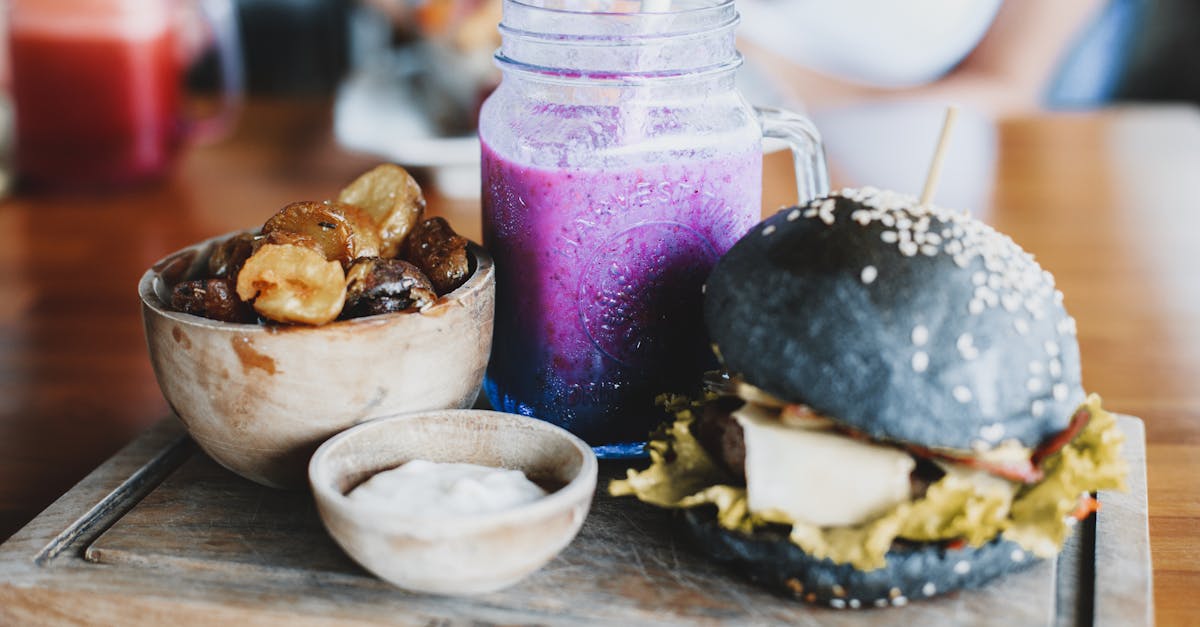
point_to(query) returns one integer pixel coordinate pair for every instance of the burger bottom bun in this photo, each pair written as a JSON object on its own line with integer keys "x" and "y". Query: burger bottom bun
{"x": 770, "y": 559}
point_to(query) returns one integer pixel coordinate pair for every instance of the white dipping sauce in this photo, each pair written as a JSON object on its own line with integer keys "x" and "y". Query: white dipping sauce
{"x": 433, "y": 489}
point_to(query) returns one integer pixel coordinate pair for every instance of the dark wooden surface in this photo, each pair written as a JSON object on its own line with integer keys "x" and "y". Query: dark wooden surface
{"x": 1109, "y": 202}
{"x": 185, "y": 537}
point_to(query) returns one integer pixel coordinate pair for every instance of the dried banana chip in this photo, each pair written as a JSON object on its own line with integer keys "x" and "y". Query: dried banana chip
{"x": 295, "y": 284}
{"x": 393, "y": 198}
{"x": 342, "y": 232}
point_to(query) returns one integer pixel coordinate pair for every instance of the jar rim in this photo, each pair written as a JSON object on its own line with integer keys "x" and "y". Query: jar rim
{"x": 574, "y": 77}
{"x": 716, "y": 6}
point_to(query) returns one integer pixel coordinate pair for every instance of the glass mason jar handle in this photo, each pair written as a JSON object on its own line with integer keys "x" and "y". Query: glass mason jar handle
{"x": 808, "y": 155}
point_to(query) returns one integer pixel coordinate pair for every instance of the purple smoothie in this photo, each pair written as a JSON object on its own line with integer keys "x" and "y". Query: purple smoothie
{"x": 599, "y": 275}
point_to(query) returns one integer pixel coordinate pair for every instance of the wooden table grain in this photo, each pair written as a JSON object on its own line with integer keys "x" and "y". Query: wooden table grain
{"x": 1108, "y": 201}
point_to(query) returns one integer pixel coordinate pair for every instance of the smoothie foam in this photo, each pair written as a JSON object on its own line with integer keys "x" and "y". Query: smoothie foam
{"x": 599, "y": 275}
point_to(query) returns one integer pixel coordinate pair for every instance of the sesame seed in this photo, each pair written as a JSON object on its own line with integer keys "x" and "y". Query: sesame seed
{"x": 889, "y": 237}
{"x": 837, "y": 604}
{"x": 810, "y": 213}
{"x": 868, "y": 275}
{"x": 908, "y": 249}
{"x": 963, "y": 567}
{"x": 1055, "y": 368}
{"x": 920, "y": 335}
{"x": 1033, "y": 384}
{"x": 992, "y": 432}
{"x": 900, "y": 601}
{"x": 1061, "y": 391}
{"x": 855, "y": 604}
{"x": 1021, "y": 326}
{"x": 827, "y": 218}
{"x": 1017, "y": 555}
{"x": 894, "y": 592}
{"x": 881, "y": 602}
{"x": 769, "y": 230}
{"x": 1051, "y": 348}
{"x": 1035, "y": 367}
{"x": 793, "y": 215}
{"x": 704, "y": 288}
{"x": 975, "y": 307}
{"x": 962, "y": 394}
{"x": 929, "y": 250}
{"x": 920, "y": 361}
{"x": 838, "y": 591}
{"x": 929, "y": 589}
{"x": 1037, "y": 408}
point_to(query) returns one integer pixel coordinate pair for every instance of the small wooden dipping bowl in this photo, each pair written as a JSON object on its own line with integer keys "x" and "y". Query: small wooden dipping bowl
{"x": 454, "y": 555}
{"x": 259, "y": 399}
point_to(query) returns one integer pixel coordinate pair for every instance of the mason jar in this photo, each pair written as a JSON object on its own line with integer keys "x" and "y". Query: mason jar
{"x": 619, "y": 163}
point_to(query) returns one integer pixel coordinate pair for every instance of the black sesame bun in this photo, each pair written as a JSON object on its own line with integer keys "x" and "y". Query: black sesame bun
{"x": 911, "y": 324}
{"x": 913, "y": 571}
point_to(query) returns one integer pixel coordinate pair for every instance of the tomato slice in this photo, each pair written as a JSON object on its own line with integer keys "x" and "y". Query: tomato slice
{"x": 1087, "y": 505}
{"x": 1056, "y": 443}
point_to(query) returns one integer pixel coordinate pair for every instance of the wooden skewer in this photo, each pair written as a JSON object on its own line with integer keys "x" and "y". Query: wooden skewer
{"x": 935, "y": 168}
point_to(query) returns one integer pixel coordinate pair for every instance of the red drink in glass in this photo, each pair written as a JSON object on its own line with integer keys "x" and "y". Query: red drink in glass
{"x": 96, "y": 90}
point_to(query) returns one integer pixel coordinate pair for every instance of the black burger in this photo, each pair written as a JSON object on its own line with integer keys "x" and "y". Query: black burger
{"x": 901, "y": 412}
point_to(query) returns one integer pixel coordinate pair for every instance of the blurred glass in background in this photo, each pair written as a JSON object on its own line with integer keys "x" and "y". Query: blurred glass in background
{"x": 98, "y": 86}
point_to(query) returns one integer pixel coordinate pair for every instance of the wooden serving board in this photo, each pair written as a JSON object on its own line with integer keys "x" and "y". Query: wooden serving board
{"x": 160, "y": 534}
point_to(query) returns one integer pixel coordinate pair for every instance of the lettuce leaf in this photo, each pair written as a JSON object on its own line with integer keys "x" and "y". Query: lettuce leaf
{"x": 964, "y": 504}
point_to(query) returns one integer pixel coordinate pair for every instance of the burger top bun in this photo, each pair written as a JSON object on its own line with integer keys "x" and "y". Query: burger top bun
{"x": 909, "y": 323}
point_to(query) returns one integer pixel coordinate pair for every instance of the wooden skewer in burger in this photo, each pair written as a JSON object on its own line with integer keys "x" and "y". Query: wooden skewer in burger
{"x": 901, "y": 412}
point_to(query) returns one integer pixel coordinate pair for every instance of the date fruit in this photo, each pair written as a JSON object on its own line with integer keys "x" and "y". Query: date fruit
{"x": 211, "y": 298}
{"x": 440, "y": 253}
{"x": 228, "y": 256}
{"x": 377, "y": 286}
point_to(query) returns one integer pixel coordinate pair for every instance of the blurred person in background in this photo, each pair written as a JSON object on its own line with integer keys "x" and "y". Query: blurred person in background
{"x": 999, "y": 57}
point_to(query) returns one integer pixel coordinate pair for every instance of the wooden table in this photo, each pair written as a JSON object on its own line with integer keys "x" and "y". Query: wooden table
{"x": 1109, "y": 202}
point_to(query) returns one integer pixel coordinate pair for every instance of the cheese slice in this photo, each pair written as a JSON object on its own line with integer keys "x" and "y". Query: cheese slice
{"x": 817, "y": 476}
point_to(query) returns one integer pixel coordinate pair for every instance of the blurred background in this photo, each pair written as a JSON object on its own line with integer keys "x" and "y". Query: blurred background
{"x": 407, "y": 77}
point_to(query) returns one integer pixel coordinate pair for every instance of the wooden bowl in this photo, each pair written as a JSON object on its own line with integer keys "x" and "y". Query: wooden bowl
{"x": 454, "y": 555}
{"x": 259, "y": 399}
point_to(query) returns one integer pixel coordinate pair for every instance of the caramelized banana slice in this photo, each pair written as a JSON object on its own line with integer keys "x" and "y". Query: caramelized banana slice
{"x": 376, "y": 286}
{"x": 440, "y": 253}
{"x": 228, "y": 256}
{"x": 288, "y": 283}
{"x": 288, "y": 237}
{"x": 215, "y": 299}
{"x": 393, "y": 198}
{"x": 342, "y": 232}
